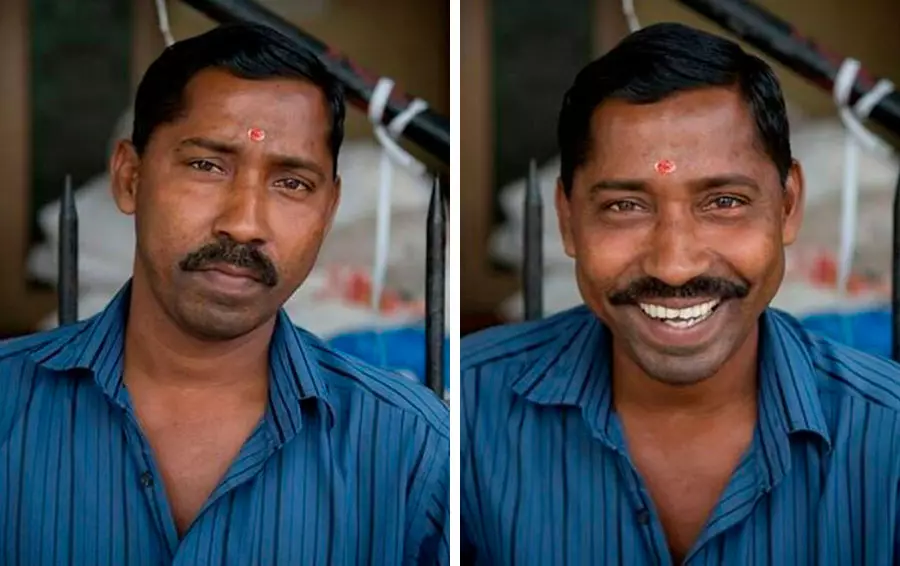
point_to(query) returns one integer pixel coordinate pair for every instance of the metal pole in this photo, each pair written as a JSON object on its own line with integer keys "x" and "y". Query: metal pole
{"x": 429, "y": 130}
{"x": 781, "y": 41}
{"x": 435, "y": 276}
{"x": 67, "y": 275}
{"x": 533, "y": 267}
{"x": 895, "y": 279}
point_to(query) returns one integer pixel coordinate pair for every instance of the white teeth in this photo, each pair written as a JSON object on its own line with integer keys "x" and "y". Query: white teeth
{"x": 680, "y": 318}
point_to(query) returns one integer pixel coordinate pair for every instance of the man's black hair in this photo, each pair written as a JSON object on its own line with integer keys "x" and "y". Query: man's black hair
{"x": 662, "y": 60}
{"x": 246, "y": 51}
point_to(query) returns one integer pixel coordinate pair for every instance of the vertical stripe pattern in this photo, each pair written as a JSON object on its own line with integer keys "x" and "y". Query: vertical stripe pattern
{"x": 546, "y": 477}
{"x": 349, "y": 466}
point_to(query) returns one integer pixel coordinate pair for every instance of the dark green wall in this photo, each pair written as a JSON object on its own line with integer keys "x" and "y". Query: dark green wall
{"x": 538, "y": 47}
{"x": 80, "y": 84}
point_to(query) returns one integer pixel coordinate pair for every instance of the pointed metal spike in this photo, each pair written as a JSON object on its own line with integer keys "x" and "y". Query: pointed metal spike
{"x": 435, "y": 278}
{"x": 895, "y": 279}
{"x": 67, "y": 286}
{"x": 533, "y": 265}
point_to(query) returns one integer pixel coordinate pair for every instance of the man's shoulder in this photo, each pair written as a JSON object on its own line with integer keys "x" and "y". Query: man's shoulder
{"x": 36, "y": 346}
{"x": 345, "y": 375}
{"x": 516, "y": 344}
{"x": 847, "y": 372}
{"x": 20, "y": 360}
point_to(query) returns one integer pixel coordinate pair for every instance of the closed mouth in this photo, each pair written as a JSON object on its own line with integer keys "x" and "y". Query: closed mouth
{"x": 233, "y": 271}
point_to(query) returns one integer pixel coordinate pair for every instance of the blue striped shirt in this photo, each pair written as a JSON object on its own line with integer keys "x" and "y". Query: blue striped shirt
{"x": 349, "y": 466}
{"x": 546, "y": 476}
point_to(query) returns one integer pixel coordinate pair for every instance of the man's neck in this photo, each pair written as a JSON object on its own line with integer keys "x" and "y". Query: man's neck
{"x": 160, "y": 353}
{"x": 733, "y": 385}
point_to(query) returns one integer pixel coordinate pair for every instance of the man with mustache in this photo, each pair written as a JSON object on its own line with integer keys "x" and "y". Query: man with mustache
{"x": 191, "y": 422}
{"x": 676, "y": 418}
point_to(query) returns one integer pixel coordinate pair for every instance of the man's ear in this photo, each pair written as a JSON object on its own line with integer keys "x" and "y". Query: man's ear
{"x": 124, "y": 173}
{"x": 564, "y": 217}
{"x": 793, "y": 204}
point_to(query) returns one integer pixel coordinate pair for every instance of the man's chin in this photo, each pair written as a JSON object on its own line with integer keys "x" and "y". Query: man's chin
{"x": 214, "y": 320}
{"x": 678, "y": 370}
{"x": 682, "y": 362}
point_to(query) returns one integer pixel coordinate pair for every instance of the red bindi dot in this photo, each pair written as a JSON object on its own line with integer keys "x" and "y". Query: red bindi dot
{"x": 664, "y": 167}
{"x": 255, "y": 134}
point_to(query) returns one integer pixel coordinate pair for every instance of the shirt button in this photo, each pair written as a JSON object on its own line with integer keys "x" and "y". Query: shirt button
{"x": 643, "y": 516}
{"x": 146, "y": 479}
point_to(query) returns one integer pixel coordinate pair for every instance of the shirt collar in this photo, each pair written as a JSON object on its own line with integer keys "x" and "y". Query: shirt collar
{"x": 574, "y": 370}
{"x": 96, "y": 346}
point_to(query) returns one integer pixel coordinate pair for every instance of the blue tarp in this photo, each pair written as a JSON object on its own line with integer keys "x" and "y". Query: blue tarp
{"x": 868, "y": 330}
{"x": 401, "y": 349}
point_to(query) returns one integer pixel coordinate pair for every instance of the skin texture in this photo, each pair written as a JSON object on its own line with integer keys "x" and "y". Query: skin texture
{"x": 687, "y": 402}
{"x": 197, "y": 340}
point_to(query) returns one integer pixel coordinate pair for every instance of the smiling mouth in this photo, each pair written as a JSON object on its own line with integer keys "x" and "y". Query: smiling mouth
{"x": 680, "y": 318}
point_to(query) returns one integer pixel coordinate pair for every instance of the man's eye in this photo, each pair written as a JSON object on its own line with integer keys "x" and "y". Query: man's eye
{"x": 292, "y": 184}
{"x": 204, "y": 165}
{"x": 727, "y": 202}
{"x": 623, "y": 206}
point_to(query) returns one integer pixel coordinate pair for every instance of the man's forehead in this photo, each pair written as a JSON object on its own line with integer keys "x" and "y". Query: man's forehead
{"x": 704, "y": 129}
{"x": 703, "y": 113}
{"x": 288, "y": 104}
{"x": 280, "y": 115}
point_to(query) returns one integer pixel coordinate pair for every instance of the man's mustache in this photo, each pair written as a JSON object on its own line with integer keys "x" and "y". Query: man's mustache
{"x": 227, "y": 251}
{"x": 652, "y": 288}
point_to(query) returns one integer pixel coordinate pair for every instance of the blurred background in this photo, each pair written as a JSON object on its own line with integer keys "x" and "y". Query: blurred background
{"x": 69, "y": 73}
{"x": 518, "y": 58}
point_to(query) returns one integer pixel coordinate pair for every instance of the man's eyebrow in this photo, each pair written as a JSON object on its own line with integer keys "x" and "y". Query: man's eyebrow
{"x": 618, "y": 185}
{"x": 702, "y": 184}
{"x": 279, "y": 160}
{"x": 293, "y": 162}
{"x": 212, "y": 145}
{"x": 730, "y": 179}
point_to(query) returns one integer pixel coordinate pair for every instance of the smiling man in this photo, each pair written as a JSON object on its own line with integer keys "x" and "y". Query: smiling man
{"x": 675, "y": 418}
{"x": 191, "y": 422}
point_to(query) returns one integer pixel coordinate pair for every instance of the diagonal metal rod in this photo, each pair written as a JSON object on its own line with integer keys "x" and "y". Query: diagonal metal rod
{"x": 67, "y": 275}
{"x": 435, "y": 276}
{"x": 895, "y": 276}
{"x": 533, "y": 265}
{"x": 429, "y": 130}
{"x": 782, "y": 42}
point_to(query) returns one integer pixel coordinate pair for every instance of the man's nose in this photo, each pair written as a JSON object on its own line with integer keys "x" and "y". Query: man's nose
{"x": 243, "y": 216}
{"x": 675, "y": 254}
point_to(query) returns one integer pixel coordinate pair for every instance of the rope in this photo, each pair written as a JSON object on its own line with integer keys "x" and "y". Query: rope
{"x": 391, "y": 154}
{"x": 162, "y": 16}
{"x": 630, "y": 15}
{"x": 857, "y": 137}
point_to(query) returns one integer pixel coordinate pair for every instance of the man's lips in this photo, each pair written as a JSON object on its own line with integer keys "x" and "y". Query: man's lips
{"x": 678, "y": 303}
{"x": 233, "y": 271}
{"x": 683, "y": 317}
{"x": 683, "y": 329}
